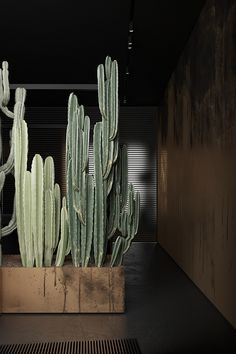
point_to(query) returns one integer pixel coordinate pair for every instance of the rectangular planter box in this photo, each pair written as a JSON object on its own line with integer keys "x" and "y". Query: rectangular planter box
{"x": 64, "y": 289}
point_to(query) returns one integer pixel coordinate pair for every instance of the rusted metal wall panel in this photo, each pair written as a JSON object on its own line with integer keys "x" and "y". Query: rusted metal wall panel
{"x": 197, "y": 158}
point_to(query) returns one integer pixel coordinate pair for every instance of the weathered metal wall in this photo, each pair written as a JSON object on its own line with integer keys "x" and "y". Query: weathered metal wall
{"x": 197, "y": 158}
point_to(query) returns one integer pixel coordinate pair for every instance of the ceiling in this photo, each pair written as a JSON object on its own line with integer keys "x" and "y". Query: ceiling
{"x": 62, "y": 42}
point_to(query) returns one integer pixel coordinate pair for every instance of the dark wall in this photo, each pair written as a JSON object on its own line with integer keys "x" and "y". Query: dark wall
{"x": 197, "y": 158}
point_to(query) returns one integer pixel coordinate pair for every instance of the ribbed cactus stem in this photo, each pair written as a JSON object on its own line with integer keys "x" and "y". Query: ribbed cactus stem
{"x": 101, "y": 90}
{"x": 86, "y": 142}
{"x": 63, "y": 244}
{"x": 117, "y": 252}
{"x": 49, "y": 228}
{"x": 5, "y": 82}
{"x": 124, "y": 176}
{"x": 89, "y": 219}
{"x": 114, "y": 100}
{"x": 6, "y": 230}
{"x": 20, "y": 153}
{"x": 49, "y": 210}
{"x": 7, "y": 167}
{"x": 99, "y": 235}
{"x": 108, "y": 62}
{"x": 37, "y": 180}
{"x": 27, "y": 200}
{"x": 49, "y": 173}
{"x": 73, "y": 221}
{"x": 2, "y": 180}
{"x": 57, "y": 206}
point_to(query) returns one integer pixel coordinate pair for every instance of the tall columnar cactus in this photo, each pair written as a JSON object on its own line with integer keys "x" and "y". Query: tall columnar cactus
{"x": 8, "y": 166}
{"x": 97, "y": 205}
{"x": 37, "y": 200}
{"x": 38, "y": 205}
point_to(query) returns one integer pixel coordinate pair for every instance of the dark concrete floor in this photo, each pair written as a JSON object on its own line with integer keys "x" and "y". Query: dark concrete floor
{"x": 165, "y": 312}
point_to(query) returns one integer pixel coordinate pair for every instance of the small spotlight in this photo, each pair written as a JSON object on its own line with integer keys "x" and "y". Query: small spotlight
{"x": 131, "y": 27}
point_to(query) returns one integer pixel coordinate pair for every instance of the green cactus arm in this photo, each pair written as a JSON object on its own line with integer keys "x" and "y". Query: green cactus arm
{"x": 110, "y": 159}
{"x": 116, "y": 149}
{"x": 4, "y": 170}
{"x": 133, "y": 225}
{"x": 86, "y": 142}
{"x": 111, "y": 210}
{"x": 1, "y": 89}
{"x": 105, "y": 145}
{"x": 7, "y": 230}
{"x": 20, "y": 134}
{"x": 8, "y": 166}
{"x": 115, "y": 217}
{"x": 20, "y": 95}
{"x": 118, "y": 173}
{"x": 114, "y": 100}
{"x": 136, "y": 212}
{"x": 124, "y": 224}
{"x": 49, "y": 220}
{"x": 76, "y": 148}
{"x": 124, "y": 176}
{"x": 19, "y": 111}
{"x": 72, "y": 107}
{"x": 81, "y": 116}
{"x": 73, "y": 221}
{"x": 68, "y": 247}
{"x": 99, "y": 197}
{"x": 84, "y": 225}
{"x": 49, "y": 173}
{"x": 110, "y": 181}
{"x": 130, "y": 202}
{"x": 62, "y": 247}
{"x": 37, "y": 180}
{"x": 101, "y": 90}
{"x": 28, "y": 220}
{"x": 78, "y": 177}
{"x": 79, "y": 199}
{"x": 57, "y": 202}
{"x": 5, "y": 83}
{"x": 4, "y": 109}
{"x": 108, "y": 67}
{"x": 2, "y": 180}
{"x": 117, "y": 252}
{"x": 90, "y": 217}
{"x": 107, "y": 104}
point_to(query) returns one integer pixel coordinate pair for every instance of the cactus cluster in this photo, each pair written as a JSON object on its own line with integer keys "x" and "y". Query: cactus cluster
{"x": 96, "y": 207}
{"x": 38, "y": 199}
{"x": 103, "y": 203}
{"x": 8, "y": 166}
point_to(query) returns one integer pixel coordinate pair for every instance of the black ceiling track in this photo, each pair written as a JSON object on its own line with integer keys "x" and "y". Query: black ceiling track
{"x": 108, "y": 346}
